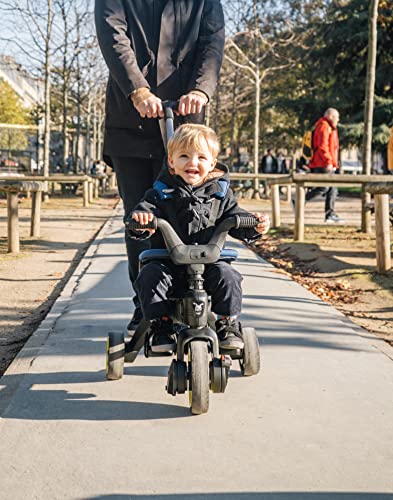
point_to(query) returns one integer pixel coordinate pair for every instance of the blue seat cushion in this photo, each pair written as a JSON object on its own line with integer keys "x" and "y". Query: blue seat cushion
{"x": 154, "y": 254}
{"x": 162, "y": 254}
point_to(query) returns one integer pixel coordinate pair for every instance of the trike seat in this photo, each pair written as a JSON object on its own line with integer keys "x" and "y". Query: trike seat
{"x": 163, "y": 254}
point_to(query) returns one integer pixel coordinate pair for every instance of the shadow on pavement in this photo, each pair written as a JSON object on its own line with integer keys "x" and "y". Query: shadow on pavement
{"x": 64, "y": 405}
{"x": 49, "y": 404}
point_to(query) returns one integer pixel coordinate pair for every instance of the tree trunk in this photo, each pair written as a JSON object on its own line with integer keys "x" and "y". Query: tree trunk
{"x": 256, "y": 128}
{"x": 369, "y": 109}
{"x": 217, "y": 109}
{"x": 88, "y": 151}
{"x": 94, "y": 145}
{"x": 257, "y": 101}
{"x": 47, "y": 72}
{"x": 78, "y": 165}
{"x": 65, "y": 90}
{"x": 233, "y": 117}
{"x": 100, "y": 126}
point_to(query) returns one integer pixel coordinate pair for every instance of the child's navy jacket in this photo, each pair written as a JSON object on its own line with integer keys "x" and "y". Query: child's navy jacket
{"x": 189, "y": 209}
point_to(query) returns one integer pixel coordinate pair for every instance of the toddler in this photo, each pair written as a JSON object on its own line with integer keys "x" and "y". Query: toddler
{"x": 192, "y": 193}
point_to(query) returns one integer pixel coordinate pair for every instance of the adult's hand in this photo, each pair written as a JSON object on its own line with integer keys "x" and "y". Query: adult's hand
{"x": 147, "y": 104}
{"x": 330, "y": 169}
{"x": 191, "y": 103}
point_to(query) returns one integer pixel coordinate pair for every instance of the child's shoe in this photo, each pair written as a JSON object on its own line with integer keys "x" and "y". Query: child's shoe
{"x": 229, "y": 334}
{"x": 164, "y": 338}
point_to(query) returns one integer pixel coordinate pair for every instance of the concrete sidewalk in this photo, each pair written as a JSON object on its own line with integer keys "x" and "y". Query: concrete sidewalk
{"x": 315, "y": 424}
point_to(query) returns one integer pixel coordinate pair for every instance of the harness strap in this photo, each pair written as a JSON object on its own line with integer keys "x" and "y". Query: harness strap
{"x": 218, "y": 197}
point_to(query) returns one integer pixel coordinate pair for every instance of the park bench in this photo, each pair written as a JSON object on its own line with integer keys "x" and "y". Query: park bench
{"x": 36, "y": 185}
{"x": 12, "y": 189}
{"x": 85, "y": 180}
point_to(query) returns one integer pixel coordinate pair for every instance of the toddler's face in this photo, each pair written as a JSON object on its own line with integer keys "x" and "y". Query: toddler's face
{"x": 193, "y": 165}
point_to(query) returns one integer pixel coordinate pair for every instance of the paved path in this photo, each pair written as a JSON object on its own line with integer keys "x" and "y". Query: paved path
{"x": 316, "y": 424}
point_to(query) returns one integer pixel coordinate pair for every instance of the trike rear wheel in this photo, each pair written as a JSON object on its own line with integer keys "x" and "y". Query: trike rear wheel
{"x": 115, "y": 348}
{"x": 251, "y": 362}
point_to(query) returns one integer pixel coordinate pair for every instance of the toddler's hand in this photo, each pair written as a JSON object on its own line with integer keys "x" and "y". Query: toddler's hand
{"x": 264, "y": 222}
{"x": 143, "y": 218}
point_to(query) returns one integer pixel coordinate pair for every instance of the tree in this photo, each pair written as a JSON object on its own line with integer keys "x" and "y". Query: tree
{"x": 12, "y": 112}
{"x": 35, "y": 19}
{"x": 260, "y": 51}
{"x": 369, "y": 109}
{"x": 55, "y": 38}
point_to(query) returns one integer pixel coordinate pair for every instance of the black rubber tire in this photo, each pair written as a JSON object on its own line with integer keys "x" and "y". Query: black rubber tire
{"x": 198, "y": 389}
{"x": 115, "y": 348}
{"x": 251, "y": 362}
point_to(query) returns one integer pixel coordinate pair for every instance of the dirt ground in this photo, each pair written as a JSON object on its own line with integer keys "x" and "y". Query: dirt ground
{"x": 32, "y": 280}
{"x": 336, "y": 262}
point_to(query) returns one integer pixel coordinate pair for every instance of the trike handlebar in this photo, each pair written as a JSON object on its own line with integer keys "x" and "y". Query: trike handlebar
{"x": 181, "y": 253}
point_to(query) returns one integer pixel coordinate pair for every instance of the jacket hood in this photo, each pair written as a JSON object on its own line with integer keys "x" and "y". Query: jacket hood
{"x": 324, "y": 119}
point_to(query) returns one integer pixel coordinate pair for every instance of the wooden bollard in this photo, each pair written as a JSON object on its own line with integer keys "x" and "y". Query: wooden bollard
{"x": 86, "y": 193}
{"x": 91, "y": 191}
{"x": 275, "y": 197}
{"x": 95, "y": 188}
{"x": 288, "y": 193}
{"x": 299, "y": 216}
{"x": 13, "y": 222}
{"x": 112, "y": 181}
{"x": 35, "y": 225}
{"x": 382, "y": 229}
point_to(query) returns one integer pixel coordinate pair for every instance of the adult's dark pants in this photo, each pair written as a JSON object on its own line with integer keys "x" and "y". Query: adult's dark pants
{"x": 330, "y": 193}
{"x": 134, "y": 177}
{"x": 158, "y": 280}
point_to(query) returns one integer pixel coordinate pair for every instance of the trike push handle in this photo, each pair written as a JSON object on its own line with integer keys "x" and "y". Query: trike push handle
{"x": 167, "y": 124}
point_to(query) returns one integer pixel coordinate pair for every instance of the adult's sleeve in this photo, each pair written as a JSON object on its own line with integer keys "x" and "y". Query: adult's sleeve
{"x": 321, "y": 142}
{"x": 115, "y": 45}
{"x": 210, "y": 50}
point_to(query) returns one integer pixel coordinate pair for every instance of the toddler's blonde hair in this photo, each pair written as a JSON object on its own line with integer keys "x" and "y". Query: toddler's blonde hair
{"x": 192, "y": 135}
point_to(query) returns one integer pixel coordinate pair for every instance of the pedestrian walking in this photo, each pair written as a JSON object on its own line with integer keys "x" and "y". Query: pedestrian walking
{"x": 155, "y": 51}
{"x": 282, "y": 166}
{"x": 325, "y": 146}
{"x": 268, "y": 163}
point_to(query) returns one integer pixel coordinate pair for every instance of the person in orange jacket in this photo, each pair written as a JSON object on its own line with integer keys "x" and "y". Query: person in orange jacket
{"x": 325, "y": 160}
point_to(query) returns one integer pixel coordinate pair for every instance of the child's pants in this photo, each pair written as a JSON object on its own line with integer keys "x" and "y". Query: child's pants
{"x": 157, "y": 279}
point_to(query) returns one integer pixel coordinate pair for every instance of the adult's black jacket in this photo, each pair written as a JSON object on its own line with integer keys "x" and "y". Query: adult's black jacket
{"x": 182, "y": 52}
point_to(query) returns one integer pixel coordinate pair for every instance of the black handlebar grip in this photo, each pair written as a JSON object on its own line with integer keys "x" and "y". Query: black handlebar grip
{"x": 246, "y": 221}
{"x": 171, "y": 104}
{"x": 133, "y": 225}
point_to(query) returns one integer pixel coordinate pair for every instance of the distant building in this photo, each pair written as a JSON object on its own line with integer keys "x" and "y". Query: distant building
{"x": 29, "y": 89}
